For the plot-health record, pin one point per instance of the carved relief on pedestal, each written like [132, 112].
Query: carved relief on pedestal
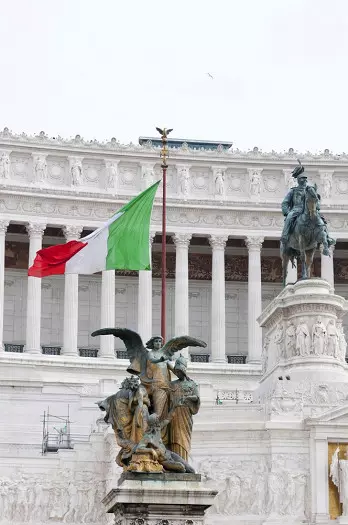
[306, 337]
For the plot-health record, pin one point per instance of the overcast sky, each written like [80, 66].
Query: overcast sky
[105, 68]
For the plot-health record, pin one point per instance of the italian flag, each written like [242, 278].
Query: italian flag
[123, 243]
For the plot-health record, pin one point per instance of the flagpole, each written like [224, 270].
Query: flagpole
[164, 154]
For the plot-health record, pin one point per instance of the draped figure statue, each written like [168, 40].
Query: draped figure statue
[184, 396]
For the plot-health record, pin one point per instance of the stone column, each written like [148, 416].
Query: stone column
[327, 266]
[319, 480]
[107, 313]
[218, 329]
[291, 276]
[71, 300]
[182, 241]
[254, 299]
[145, 301]
[33, 333]
[3, 228]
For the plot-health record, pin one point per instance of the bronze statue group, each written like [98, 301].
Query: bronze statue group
[152, 413]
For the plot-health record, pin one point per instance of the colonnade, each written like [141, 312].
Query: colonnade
[182, 242]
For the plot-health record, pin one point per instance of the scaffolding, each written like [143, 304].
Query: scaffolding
[55, 432]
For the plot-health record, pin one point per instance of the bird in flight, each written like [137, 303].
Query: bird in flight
[211, 76]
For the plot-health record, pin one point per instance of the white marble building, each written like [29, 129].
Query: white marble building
[224, 224]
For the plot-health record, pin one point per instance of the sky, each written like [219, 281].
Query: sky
[118, 68]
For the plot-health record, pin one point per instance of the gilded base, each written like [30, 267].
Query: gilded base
[143, 463]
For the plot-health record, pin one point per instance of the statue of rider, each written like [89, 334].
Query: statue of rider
[293, 205]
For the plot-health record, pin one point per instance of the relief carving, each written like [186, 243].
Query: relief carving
[219, 182]
[40, 168]
[32, 500]
[319, 337]
[256, 488]
[5, 165]
[184, 178]
[290, 338]
[302, 340]
[76, 171]
[255, 180]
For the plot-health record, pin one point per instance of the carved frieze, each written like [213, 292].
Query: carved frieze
[65, 498]
[258, 487]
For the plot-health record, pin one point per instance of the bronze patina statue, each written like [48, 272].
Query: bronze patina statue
[152, 414]
[304, 228]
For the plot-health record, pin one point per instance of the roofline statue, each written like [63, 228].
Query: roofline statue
[305, 229]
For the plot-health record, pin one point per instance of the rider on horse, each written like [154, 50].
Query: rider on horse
[293, 206]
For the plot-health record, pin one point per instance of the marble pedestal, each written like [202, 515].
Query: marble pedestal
[304, 340]
[159, 499]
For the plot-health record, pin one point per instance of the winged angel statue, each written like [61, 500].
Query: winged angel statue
[151, 414]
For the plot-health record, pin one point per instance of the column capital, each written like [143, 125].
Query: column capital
[182, 239]
[35, 229]
[218, 241]
[254, 243]
[4, 225]
[72, 232]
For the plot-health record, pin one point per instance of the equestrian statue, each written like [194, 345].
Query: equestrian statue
[305, 229]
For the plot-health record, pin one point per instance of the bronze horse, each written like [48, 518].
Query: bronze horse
[307, 234]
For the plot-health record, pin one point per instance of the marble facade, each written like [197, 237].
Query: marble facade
[262, 442]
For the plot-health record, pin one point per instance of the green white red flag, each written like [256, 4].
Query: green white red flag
[122, 243]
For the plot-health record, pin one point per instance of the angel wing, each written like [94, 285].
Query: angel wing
[136, 352]
[178, 343]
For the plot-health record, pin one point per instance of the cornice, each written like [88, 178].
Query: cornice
[180, 217]
[80, 146]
